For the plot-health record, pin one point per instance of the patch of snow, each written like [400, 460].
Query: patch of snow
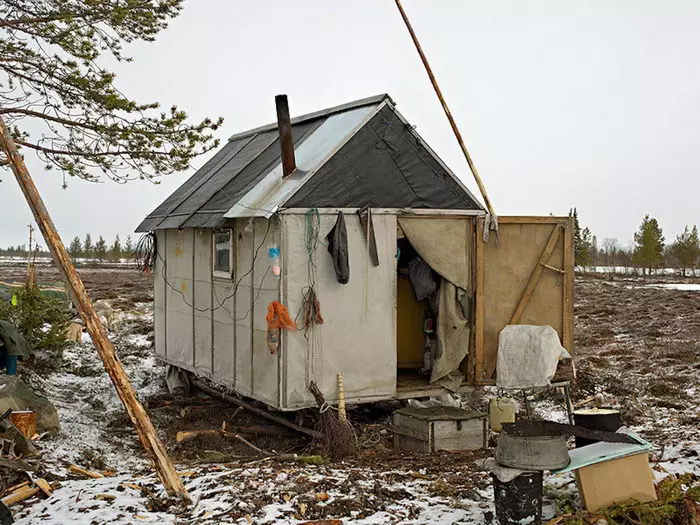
[685, 287]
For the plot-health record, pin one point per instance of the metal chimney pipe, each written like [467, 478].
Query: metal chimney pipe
[284, 125]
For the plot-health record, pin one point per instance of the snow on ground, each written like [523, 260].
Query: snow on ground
[618, 345]
[86, 399]
[260, 494]
[686, 287]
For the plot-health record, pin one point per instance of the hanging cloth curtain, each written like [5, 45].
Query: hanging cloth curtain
[444, 244]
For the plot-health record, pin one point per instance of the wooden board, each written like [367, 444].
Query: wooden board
[526, 276]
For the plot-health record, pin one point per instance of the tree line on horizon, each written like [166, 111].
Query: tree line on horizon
[649, 253]
[99, 251]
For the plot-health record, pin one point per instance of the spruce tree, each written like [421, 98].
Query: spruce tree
[115, 252]
[128, 252]
[686, 249]
[649, 244]
[101, 249]
[583, 242]
[88, 248]
[76, 248]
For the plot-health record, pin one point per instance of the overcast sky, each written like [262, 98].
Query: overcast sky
[589, 104]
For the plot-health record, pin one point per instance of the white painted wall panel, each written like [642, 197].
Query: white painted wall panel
[179, 297]
[265, 364]
[202, 260]
[243, 246]
[224, 344]
[358, 337]
[159, 306]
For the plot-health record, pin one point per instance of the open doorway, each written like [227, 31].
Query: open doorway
[415, 317]
[433, 303]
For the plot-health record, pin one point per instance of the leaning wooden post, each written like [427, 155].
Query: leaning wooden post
[450, 118]
[144, 428]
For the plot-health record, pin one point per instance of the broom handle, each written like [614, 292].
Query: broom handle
[342, 414]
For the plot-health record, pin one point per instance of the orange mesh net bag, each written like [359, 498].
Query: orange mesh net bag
[278, 318]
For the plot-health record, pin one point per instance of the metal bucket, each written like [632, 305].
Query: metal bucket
[532, 452]
[519, 501]
[597, 419]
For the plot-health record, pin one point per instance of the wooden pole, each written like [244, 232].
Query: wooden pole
[455, 129]
[144, 428]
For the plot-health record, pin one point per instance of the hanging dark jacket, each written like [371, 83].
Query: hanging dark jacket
[338, 248]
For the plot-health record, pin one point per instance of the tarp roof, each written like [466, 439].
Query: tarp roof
[359, 153]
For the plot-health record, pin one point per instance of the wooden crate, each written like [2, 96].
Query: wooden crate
[439, 428]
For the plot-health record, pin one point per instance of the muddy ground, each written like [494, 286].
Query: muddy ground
[640, 345]
[637, 347]
[124, 287]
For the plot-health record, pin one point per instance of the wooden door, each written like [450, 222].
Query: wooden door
[525, 276]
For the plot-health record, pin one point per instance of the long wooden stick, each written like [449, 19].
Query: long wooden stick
[455, 129]
[255, 410]
[144, 428]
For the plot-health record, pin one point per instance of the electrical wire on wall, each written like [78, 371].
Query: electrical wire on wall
[146, 252]
[222, 302]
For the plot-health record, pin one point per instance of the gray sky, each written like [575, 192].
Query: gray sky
[593, 104]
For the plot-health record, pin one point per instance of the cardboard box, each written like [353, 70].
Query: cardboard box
[621, 480]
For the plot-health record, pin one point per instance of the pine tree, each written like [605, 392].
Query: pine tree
[115, 252]
[101, 249]
[76, 248]
[686, 249]
[59, 100]
[649, 244]
[695, 240]
[128, 252]
[88, 248]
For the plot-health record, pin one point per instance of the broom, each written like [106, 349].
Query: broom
[337, 437]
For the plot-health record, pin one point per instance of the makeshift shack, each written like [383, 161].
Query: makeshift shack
[410, 301]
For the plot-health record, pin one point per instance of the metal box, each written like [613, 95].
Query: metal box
[439, 428]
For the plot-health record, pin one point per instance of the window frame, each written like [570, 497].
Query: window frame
[217, 272]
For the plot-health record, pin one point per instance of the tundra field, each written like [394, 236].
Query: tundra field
[637, 348]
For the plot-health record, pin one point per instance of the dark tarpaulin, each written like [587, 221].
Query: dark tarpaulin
[14, 342]
[384, 166]
[338, 248]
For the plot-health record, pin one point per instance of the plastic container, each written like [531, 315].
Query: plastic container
[519, 502]
[596, 419]
[11, 365]
[501, 410]
[273, 255]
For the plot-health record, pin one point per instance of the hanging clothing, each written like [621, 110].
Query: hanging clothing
[338, 248]
[422, 279]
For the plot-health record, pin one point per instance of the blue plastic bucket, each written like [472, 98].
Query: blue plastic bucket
[11, 365]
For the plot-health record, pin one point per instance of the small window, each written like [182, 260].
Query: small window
[222, 252]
